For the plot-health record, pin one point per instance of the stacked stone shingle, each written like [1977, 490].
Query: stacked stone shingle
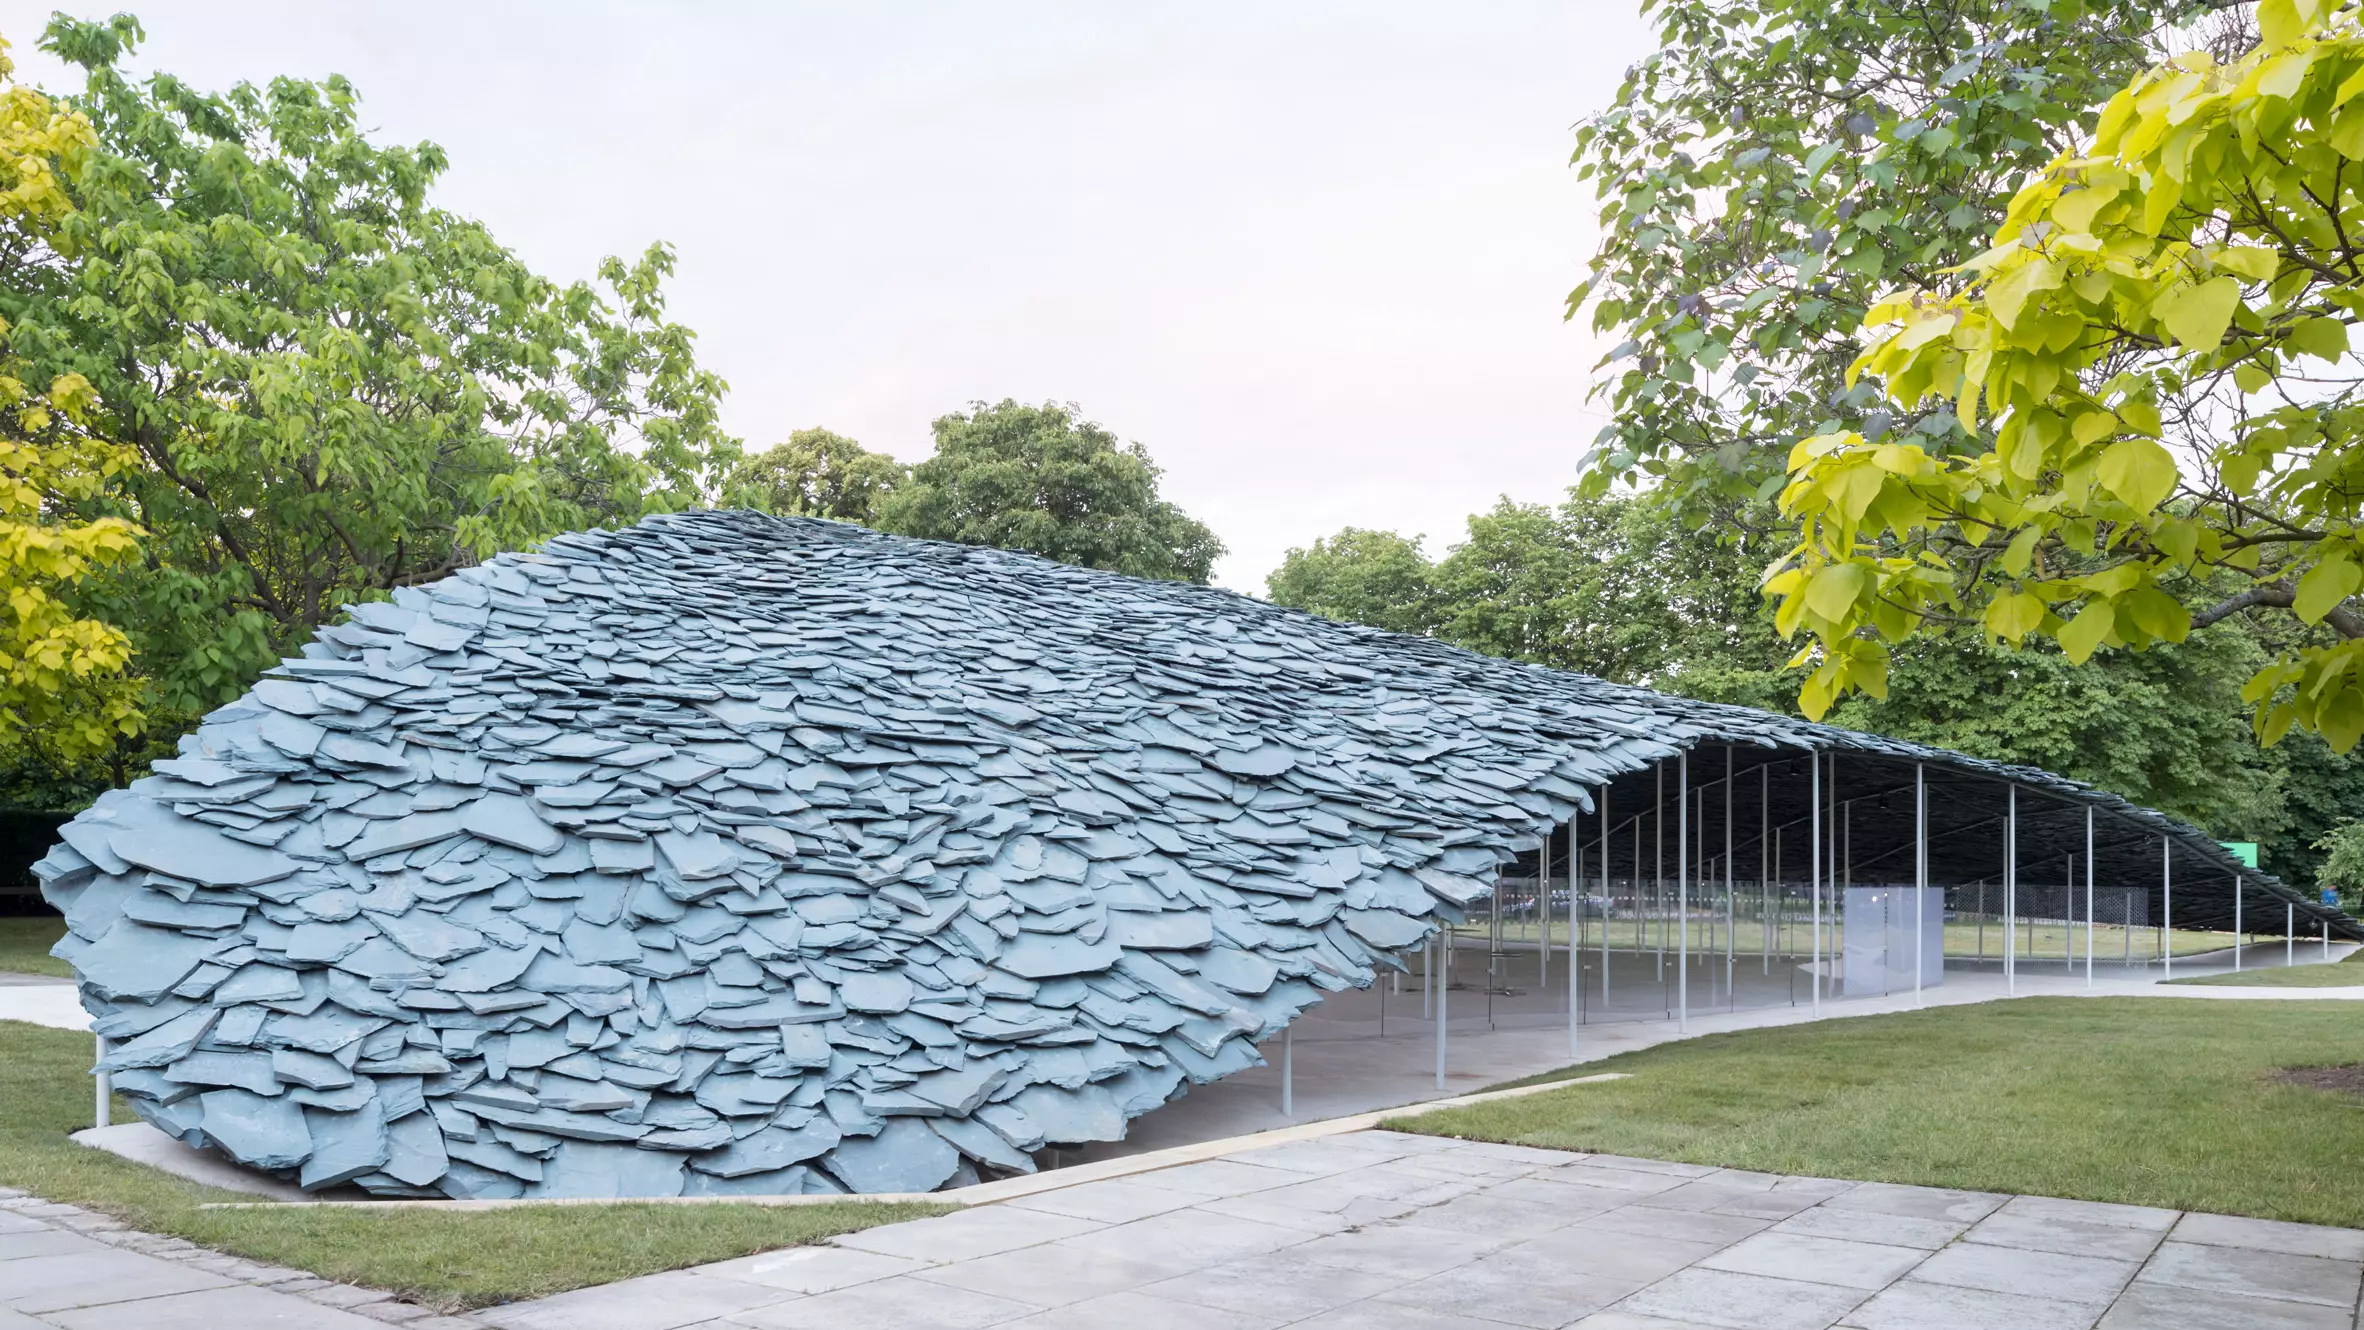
[729, 854]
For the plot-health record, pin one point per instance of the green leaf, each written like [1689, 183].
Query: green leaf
[2138, 471]
[2322, 587]
[1833, 591]
[2322, 338]
[2082, 636]
[2196, 316]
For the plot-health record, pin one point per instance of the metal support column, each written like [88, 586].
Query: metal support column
[1815, 796]
[2236, 923]
[1543, 913]
[2011, 893]
[2166, 907]
[1683, 893]
[1920, 872]
[1289, 1071]
[103, 1112]
[1440, 1021]
[2088, 895]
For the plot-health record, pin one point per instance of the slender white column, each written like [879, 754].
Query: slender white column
[2088, 895]
[1289, 1072]
[103, 1112]
[1543, 912]
[1605, 895]
[1575, 936]
[1440, 1017]
[2166, 907]
[1920, 872]
[2326, 938]
[2289, 933]
[1729, 992]
[1658, 876]
[1683, 893]
[1816, 880]
[1428, 980]
[2236, 923]
[1767, 838]
[2011, 893]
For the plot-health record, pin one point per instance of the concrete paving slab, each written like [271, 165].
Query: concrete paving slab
[968, 1234]
[1617, 1320]
[44, 1242]
[652, 1302]
[1484, 1214]
[1283, 1284]
[1849, 1264]
[1889, 1198]
[1404, 1250]
[1913, 1304]
[2160, 1307]
[2339, 1244]
[1140, 1311]
[1191, 1238]
[1825, 1221]
[215, 1309]
[1744, 1302]
[19, 1321]
[1689, 1225]
[1222, 1177]
[1391, 1316]
[2035, 1231]
[816, 1269]
[1116, 1201]
[41, 1284]
[1314, 1223]
[2248, 1272]
[1590, 1251]
[902, 1303]
[2033, 1274]
[1510, 1291]
[2148, 1217]
[1054, 1275]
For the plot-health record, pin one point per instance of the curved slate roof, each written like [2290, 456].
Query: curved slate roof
[733, 854]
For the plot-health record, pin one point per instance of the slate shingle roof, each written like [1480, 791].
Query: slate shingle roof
[731, 854]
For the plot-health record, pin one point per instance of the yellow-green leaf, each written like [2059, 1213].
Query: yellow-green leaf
[2196, 316]
[2138, 471]
[1833, 591]
[2082, 636]
[2323, 587]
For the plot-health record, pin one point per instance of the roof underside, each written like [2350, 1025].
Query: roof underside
[738, 854]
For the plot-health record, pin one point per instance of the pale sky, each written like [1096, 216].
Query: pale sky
[1311, 255]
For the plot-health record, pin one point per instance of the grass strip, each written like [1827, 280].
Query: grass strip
[2135, 1100]
[2337, 974]
[447, 1261]
[25, 944]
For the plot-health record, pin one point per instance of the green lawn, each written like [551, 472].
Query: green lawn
[2347, 973]
[2138, 1100]
[443, 1260]
[25, 944]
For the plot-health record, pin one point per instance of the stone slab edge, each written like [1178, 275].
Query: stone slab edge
[1006, 1189]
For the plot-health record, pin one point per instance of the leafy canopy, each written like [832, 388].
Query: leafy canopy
[2183, 285]
[331, 386]
[1773, 167]
[816, 473]
[63, 689]
[1043, 479]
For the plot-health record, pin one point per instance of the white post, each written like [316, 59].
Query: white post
[1637, 849]
[2166, 908]
[1543, 915]
[104, 1113]
[1765, 842]
[1731, 993]
[1816, 880]
[2236, 923]
[1575, 937]
[2326, 939]
[1920, 873]
[1440, 1021]
[2289, 934]
[2088, 895]
[1658, 877]
[1428, 980]
[2011, 892]
[1683, 894]
[1289, 1071]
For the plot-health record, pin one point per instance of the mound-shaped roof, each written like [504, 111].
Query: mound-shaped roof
[732, 854]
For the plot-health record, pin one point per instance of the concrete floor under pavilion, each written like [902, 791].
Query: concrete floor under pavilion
[1370, 1049]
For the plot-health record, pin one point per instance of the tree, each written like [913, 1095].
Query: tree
[1041, 478]
[64, 694]
[332, 387]
[816, 473]
[1778, 163]
[1358, 576]
[2184, 284]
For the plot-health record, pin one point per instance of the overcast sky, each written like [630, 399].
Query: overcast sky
[1311, 255]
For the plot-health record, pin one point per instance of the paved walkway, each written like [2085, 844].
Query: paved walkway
[63, 1266]
[1384, 1231]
